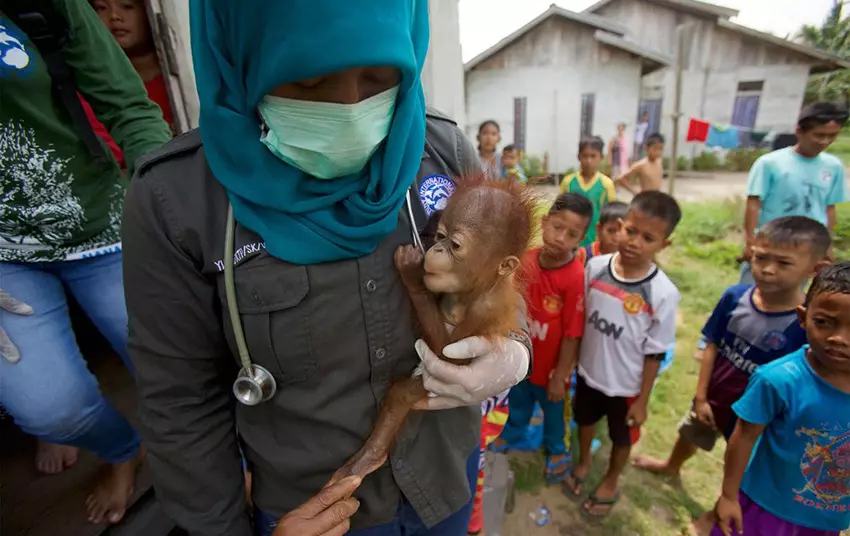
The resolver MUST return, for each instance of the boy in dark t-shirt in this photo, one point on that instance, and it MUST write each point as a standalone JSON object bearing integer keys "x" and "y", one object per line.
{"x": 752, "y": 325}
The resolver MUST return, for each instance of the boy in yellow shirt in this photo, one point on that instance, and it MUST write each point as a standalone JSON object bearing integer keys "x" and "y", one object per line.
{"x": 590, "y": 183}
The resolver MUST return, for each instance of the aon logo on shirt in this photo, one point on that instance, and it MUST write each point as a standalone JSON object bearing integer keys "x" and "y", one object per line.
{"x": 537, "y": 330}
{"x": 609, "y": 329}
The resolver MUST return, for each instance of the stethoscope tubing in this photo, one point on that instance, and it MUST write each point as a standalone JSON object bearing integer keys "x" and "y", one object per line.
{"x": 230, "y": 290}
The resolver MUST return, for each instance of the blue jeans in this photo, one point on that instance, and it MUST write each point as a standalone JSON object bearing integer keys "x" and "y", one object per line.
{"x": 50, "y": 392}
{"x": 406, "y": 521}
{"x": 521, "y": 403}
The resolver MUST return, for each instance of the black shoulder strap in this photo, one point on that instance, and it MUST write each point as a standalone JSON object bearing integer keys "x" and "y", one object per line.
{"x": 48, "y": 30}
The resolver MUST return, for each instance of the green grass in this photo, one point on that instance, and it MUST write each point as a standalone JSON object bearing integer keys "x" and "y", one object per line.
{"x": 702, "y": 264}
{"x": 841, "y": 238}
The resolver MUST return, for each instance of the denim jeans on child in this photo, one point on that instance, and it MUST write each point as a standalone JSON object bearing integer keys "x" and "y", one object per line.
{"x": 521, "y": 403}
{"x": 50, "y": 392}
{"x": 406, "y": 521}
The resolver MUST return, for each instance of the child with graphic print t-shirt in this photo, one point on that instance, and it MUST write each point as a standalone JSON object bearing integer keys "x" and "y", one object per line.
{"x": 795, "y": 413}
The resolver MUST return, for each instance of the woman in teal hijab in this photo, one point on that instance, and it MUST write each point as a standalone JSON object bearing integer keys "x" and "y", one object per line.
{"x": 314, "y": 130}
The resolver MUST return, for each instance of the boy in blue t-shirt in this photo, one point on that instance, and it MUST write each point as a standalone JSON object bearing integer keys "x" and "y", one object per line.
{"x": 797, "y": 411}
{"x": 802, "y": 180}
{"x": 751, "y": 326}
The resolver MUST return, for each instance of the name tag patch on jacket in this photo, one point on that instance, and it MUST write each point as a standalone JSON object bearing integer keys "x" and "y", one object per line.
{"x": 434, "y": 192}
{"x": 248, "y": 250}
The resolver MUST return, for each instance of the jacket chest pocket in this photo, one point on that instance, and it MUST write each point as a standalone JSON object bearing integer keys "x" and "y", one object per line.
{"x": 276, "y": 319}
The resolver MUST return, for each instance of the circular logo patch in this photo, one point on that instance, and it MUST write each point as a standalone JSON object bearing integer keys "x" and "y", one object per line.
{"x": 774, "y": 340}
{"x": 633, "y": 304}
{"x": 434, "y": 192}
{"x": 552, "y": 304}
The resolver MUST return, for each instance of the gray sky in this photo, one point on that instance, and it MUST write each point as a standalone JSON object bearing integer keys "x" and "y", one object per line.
{"x": 484, "y": 22}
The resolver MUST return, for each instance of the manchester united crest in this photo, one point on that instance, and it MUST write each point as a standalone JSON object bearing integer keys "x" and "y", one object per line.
{"x": 552, "y": 304}
{"x": 633, "y": 304}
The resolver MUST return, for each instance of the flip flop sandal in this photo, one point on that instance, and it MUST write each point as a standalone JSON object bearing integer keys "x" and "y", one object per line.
{"x": 557, "y": 472}
{"x": 579, "y": 483}
{"x": 596, "y": 501}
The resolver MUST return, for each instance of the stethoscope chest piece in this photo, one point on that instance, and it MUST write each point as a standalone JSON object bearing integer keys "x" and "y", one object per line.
{"x": 254, "y": 385}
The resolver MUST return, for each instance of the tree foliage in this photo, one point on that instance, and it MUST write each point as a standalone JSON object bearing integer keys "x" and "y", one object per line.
{"x": 832, "y": 36}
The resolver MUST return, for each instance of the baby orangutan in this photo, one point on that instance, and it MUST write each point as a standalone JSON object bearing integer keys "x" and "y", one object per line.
{"x": 465, "y": 287}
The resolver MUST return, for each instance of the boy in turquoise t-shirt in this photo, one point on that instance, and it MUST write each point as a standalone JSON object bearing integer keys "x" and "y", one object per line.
{"x": 795, "y": 415}
{"x": 801, "y": 180}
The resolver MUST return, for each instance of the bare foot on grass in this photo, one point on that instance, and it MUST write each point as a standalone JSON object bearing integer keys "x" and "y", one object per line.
{"x": 51, "y": 459}
{"x": 654, "y": 465}
{"x": 108, "y": 501}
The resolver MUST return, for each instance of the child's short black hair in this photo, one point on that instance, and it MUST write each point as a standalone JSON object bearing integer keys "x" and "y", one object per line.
{"x": 654, "y": 138}
{"x": 575, "y": 203}
{"x": 658, "y": 205}
{"x": 834, "y": 279}
{"x": 821, "y": 113}
{"x": 591, "y": 142}
{"x": 509, "y": 148}
{"x": 797, "y": 230}
{"x": 486, "y": 123}
{"x": 613, "y": 211}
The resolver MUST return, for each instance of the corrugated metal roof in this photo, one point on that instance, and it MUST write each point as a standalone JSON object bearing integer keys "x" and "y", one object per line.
{"x": 594, "y": 21}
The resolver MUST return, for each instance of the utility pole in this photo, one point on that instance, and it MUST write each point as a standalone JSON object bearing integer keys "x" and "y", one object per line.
{"x": 677, "y": 105}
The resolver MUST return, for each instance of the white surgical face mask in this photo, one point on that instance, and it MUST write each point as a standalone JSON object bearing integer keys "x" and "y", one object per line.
{"x": 324, "y": 139}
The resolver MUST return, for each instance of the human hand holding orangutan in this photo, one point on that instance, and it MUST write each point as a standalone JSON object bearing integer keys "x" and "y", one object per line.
{"x": 466, "y": 301}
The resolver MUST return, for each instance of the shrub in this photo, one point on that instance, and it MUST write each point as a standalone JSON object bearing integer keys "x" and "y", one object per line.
{"x": 682, "y": 163}
{"x": 532, "y": 165}
{"x": 707, "y": 161}
{"x": 743, "y": 159}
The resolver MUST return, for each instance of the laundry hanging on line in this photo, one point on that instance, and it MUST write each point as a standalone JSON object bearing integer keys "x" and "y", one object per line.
{"x": 725, "y": 138}
{"x": 698, "y": 130}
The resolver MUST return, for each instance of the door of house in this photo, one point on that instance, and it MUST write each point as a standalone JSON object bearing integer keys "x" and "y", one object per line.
{"x": 746, "y": 109}
{"x": 652, "y": 107}
{"x": 169, "y": 21}
{"x": 744, "y": 115}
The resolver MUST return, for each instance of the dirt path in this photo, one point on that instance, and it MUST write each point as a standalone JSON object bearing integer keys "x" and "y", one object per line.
{"x": 717, "y": 186}
{"x": 721, "y": 185}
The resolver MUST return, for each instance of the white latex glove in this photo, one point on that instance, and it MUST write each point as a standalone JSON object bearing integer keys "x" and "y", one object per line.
{"x": 7, "y": 349}
{"x": 494, "y": 367}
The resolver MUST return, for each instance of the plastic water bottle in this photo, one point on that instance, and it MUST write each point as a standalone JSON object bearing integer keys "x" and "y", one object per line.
{"x": 541, "y": 517}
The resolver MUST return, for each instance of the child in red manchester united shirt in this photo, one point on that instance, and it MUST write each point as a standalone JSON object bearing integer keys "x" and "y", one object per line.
{"x": 554, "y": 277}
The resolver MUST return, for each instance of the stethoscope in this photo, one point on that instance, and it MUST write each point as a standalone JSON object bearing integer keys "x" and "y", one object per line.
{"x": 255, "y": 384}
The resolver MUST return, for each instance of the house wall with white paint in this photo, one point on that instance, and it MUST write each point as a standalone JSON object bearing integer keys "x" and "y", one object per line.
{"x": 716, "y": 61}
{"x": 552, "y": 66}
{"x": 442, "y": 76}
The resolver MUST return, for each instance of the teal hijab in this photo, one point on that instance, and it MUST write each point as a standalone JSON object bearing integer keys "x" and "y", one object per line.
{"x": 244, "y": 49}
